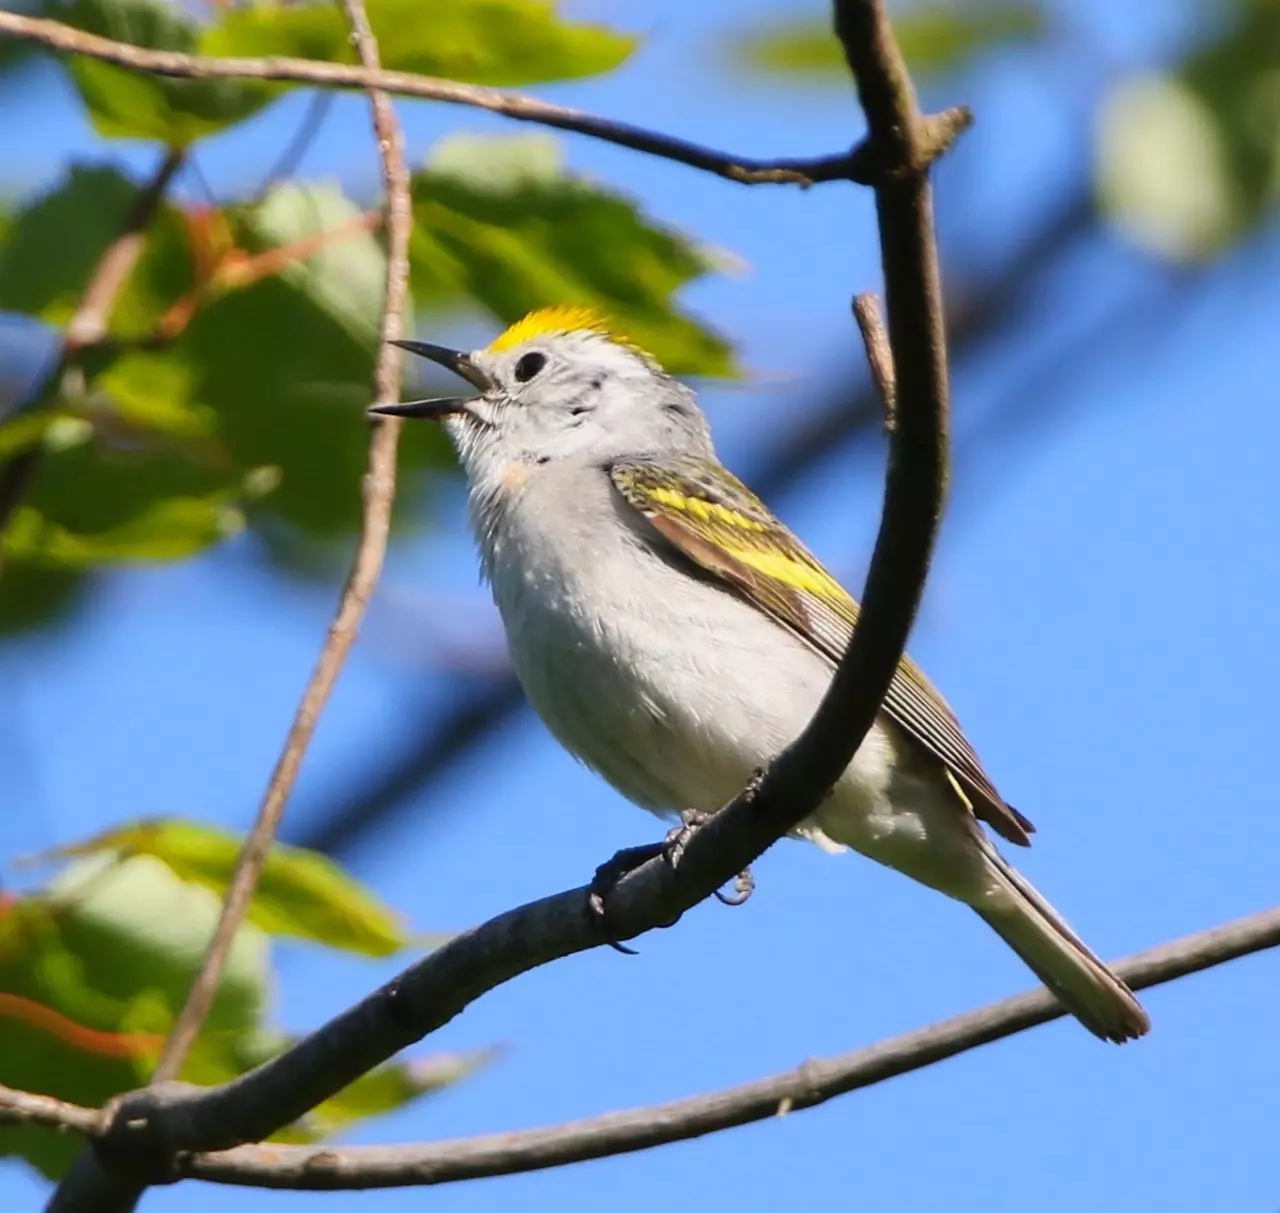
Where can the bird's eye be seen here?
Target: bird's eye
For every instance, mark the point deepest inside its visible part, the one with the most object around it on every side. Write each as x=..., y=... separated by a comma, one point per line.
x=529, y=366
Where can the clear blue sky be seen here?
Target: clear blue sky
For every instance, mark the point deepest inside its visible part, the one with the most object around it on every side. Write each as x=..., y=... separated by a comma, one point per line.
x=1101, y=615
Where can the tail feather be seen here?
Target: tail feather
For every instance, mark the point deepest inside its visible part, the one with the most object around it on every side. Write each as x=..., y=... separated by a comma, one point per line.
x=1053, y=951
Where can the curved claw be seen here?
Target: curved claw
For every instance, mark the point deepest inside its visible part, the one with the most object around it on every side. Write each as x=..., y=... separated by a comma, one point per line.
x=606, y=879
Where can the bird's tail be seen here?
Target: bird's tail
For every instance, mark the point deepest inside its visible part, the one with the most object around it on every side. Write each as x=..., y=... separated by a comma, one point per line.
x=1053, y=951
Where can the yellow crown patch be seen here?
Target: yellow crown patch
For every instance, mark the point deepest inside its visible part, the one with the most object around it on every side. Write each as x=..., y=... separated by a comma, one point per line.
x=548, y=321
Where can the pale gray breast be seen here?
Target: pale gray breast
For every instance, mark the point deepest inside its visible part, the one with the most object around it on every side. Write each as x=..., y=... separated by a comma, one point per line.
x=673, y=689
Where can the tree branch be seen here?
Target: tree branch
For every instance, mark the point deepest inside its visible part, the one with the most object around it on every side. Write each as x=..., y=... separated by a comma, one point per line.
x=333, y=1168
x=858, y=165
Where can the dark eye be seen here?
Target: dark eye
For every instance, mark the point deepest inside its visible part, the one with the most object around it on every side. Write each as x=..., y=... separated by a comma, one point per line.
x=529, y=366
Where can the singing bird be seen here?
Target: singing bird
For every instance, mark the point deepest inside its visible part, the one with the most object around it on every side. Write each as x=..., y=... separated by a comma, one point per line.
x=674, y=635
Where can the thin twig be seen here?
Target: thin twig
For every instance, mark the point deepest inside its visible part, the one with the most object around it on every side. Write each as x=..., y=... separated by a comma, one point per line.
x=379, y=493
x=866, y=311
x=857, y=165
x=808, y=1085
x=89, y=322
x=299, y=145
x=26, y=1108
x=356, y=1167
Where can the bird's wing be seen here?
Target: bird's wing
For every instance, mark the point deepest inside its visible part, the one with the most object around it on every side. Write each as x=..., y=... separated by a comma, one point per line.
x=719, y=524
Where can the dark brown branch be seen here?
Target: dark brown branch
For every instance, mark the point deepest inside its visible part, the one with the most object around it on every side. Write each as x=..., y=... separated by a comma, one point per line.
x=857, y=165
x=812, y=1083
x=89, y=323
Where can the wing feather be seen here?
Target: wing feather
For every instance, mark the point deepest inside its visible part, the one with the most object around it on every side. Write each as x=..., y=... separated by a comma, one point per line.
x=719, y=524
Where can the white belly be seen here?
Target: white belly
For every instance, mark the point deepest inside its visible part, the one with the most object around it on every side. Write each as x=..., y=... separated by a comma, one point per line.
x=676, y=692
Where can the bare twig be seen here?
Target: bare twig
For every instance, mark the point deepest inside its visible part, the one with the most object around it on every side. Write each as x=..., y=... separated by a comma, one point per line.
x=866, y=311
x=808, y=1085
x=89, y=322
x=24, y=1108
x=351, y=1167
x=287, y=162
x=857, y=165
x=379, y=493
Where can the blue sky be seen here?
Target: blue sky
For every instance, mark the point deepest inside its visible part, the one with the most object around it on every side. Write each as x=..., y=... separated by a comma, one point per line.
x=1100, y=615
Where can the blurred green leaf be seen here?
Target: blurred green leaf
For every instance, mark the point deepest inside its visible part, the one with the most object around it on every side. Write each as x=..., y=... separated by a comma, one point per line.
x=500, y=222
x=92, y=973
x=51, y=247
x=300, y=893
x=494, y=42
x=1188, y=161
x=168, y=530
x=937, y=37
x=139, y=105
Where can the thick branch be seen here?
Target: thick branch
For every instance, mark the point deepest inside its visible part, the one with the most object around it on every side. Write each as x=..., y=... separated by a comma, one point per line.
x=814, y=1082
x=858, y=165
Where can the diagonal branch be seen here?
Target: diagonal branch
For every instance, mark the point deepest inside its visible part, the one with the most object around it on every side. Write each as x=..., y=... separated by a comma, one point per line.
x=858, y=165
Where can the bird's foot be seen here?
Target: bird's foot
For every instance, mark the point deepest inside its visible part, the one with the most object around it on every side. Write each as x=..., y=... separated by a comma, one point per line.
x=691, y=821
x=606, y=879
x=671, y=848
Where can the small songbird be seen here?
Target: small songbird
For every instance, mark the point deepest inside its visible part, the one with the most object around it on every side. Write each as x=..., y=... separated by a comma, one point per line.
x=674, y=635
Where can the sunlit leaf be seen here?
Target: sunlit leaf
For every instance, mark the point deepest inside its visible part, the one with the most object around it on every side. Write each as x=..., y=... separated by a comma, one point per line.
x=495, y=42
x=144, y=105
x=300, y=893
x=936, y=38
x=500, y=222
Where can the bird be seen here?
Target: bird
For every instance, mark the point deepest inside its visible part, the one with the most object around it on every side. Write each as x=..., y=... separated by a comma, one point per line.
x=674, y=635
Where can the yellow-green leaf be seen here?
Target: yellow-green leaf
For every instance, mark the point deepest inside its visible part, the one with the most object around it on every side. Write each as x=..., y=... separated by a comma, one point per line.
x=168, y=530
x=141, y=105
x=300, y=893
x=495, y=42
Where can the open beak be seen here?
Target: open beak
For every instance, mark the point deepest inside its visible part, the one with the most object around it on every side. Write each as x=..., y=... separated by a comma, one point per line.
x=436, y=410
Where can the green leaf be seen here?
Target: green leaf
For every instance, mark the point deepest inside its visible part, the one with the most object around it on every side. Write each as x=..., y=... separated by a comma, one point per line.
x=139, y=105
x=936, y=39
x=494, y=42
x=50, y=249
x=500, y=222
x=300, y=893
x=92, y=973
x=169, y=530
